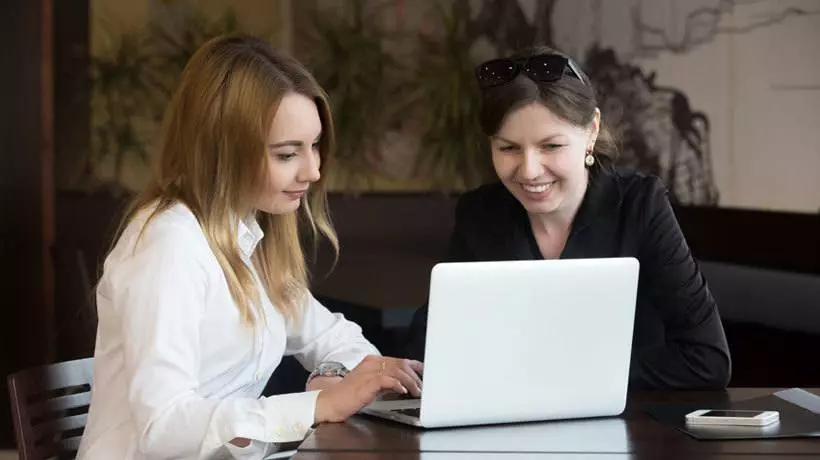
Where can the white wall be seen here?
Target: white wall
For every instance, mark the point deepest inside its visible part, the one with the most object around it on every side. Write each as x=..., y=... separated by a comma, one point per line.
x=759, y=84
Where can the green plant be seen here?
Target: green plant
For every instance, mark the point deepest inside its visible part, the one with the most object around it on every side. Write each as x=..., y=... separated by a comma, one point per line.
x=133, y=80
x=121, y=101
x=174, y=44
x=453, y=148
x=362, y=79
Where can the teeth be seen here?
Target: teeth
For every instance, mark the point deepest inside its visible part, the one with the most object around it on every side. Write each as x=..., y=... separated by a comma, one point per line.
x=537, y=188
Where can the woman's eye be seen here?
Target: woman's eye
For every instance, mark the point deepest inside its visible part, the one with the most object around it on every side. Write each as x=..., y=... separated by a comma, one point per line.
x=552, y=146
x=316, y=145
x=507, y=148
x=285, y=156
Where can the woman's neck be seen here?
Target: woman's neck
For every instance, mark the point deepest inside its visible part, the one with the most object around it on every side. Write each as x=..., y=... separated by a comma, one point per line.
x=553, y=223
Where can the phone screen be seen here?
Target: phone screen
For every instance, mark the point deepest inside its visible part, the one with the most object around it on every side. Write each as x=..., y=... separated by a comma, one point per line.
x=732, y=413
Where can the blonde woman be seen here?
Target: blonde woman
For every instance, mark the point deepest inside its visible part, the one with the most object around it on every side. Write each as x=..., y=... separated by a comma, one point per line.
x=206, y=288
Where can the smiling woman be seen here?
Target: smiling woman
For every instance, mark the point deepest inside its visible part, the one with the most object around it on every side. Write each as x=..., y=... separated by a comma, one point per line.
x=205, y=289
x=559, y=196
x=295, y=158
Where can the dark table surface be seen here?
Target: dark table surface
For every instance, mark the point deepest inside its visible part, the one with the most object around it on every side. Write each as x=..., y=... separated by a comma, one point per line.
x=634, y=435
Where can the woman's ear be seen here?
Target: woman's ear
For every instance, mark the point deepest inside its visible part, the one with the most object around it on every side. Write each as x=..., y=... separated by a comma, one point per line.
x=594, y=128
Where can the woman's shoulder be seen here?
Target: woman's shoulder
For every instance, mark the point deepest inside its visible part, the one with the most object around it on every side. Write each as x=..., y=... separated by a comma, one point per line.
x=635, y=183
x=637, y=189
x=641, y=197
x=158, y=249
x=176, y=221
x=172, y=230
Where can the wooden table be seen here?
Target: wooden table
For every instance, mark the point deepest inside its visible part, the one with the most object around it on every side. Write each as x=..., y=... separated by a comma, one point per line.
x=634, y=435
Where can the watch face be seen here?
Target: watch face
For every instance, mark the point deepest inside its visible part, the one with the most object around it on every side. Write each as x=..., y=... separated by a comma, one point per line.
x=331, y=370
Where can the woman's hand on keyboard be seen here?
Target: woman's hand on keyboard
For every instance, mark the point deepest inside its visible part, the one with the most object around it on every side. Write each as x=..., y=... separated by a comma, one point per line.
x=374, y=376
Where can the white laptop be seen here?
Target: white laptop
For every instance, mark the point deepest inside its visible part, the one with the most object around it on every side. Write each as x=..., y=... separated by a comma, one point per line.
x=520, y=341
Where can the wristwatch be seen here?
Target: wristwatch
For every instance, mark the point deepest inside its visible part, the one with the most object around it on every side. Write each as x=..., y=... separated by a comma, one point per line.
x=328, y=369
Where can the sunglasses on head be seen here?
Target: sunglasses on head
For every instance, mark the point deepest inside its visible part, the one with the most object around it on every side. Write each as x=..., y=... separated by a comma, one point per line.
x=539, y=68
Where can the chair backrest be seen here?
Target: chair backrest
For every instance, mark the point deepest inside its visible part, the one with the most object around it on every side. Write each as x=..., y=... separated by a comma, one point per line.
x=49, y=405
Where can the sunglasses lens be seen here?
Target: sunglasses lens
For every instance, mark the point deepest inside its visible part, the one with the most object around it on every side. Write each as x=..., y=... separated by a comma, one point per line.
x=496, y=72
x=546, y=68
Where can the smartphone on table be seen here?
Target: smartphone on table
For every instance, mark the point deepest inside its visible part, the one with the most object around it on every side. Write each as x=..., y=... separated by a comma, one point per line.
x=732, y=417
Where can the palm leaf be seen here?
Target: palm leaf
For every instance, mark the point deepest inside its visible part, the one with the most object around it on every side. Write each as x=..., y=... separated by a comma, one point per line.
x=350, y=62
x=453, y=152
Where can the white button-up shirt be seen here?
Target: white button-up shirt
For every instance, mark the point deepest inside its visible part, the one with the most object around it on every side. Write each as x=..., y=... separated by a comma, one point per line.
x=176, y=372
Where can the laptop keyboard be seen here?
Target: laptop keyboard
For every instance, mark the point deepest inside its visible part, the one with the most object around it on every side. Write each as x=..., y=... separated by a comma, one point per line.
x=410, y=412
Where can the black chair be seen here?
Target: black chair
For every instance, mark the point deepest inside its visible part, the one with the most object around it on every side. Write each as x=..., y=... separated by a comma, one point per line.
x=49, y=406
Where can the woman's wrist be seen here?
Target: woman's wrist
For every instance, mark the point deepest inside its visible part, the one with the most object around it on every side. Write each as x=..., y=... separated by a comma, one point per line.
x=320, y=414
x=321, y=382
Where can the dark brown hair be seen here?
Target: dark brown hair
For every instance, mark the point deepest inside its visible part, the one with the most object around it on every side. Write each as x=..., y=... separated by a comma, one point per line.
x=571, y=99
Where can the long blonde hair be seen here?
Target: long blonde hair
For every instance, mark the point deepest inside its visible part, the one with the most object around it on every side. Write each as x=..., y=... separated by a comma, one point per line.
x=213, y=158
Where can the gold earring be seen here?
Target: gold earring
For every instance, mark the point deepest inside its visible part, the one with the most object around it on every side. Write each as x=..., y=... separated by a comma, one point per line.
x=589, y=159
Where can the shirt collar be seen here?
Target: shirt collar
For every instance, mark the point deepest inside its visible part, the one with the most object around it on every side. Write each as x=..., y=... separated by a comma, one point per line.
x=249, y=235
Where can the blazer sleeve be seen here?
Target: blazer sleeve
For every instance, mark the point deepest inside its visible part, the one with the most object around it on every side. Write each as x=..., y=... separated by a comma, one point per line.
x=457, y=251
x=695, y=354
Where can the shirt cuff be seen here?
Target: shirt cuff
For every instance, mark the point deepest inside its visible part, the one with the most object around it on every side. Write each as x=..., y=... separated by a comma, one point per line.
x=276, y=419
x=288, y=417
x=254, y=451
x=351, y=359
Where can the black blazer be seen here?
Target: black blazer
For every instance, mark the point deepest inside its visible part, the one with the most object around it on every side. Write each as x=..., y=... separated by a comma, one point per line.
x=678, y=336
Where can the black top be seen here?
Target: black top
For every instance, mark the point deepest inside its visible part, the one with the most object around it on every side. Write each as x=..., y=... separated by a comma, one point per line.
x=678, y=336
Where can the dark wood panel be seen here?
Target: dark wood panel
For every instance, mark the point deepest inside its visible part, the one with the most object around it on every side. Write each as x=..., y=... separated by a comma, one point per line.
x=26, y=188
x=768, y=239
x=72, y=91
x=73, y=316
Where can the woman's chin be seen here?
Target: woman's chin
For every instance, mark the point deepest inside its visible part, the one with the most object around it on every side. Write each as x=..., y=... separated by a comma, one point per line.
x=538, y=204
x=281, y=207
x=541, y=207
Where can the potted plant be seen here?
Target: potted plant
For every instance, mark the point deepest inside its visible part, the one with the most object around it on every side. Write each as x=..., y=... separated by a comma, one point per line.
x=453, y=148
x=351, y=61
